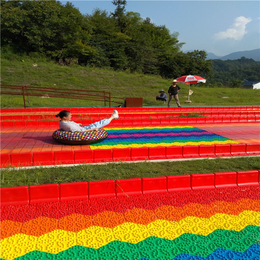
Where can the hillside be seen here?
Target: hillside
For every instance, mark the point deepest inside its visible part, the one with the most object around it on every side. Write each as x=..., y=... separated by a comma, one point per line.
x=120, y=84
x=252, y=54
x=226, y=71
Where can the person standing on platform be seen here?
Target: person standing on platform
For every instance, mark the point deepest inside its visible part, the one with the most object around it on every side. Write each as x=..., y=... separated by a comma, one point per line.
x=173, y=93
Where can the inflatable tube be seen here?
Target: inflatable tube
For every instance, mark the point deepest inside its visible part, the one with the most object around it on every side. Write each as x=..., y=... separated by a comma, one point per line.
x=66, y=137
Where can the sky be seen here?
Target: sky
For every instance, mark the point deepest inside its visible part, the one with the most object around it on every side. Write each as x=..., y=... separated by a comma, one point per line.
x=219, y=27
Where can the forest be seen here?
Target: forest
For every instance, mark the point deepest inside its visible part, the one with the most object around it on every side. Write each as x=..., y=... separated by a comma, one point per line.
x=233, y=73
x=120, y=40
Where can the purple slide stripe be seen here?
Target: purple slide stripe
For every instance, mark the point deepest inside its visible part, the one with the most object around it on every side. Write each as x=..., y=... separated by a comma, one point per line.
x=160, y=134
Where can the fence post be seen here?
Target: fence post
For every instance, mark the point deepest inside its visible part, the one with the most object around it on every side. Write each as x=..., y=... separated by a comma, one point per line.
x=104, y=93
x=28, y=103
x=109, y=93
x=24, y=104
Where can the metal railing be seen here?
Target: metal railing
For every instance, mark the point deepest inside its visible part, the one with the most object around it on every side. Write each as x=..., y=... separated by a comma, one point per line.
x=27, y=91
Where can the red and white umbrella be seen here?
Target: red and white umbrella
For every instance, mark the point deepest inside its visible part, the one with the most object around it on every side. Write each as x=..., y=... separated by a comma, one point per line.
x=191, y=79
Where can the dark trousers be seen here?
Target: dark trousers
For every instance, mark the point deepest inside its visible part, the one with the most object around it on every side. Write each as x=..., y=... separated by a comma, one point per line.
x=159, y=98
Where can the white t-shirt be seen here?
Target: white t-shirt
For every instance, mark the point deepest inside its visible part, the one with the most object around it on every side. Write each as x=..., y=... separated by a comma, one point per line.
x=71, y=126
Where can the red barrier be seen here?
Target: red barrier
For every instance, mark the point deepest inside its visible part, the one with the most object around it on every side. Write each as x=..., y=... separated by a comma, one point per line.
x=217, y=119
x=247, y=178
x=31, y=123
x=14, y=195
x=207, y=151
x=161, y=115
x=183, y=120
x=118, y=122
x=243, y=119
x=73, y=191
x=74, y=110
x=170, y=115
x=6, y=118
x=225, y=179
x=226, y=119
x=5, y=160
x=202, y=181
x=15, y=117
x=165, y=121
x=174, y=152
x=54, y=123
x=174, y=121
x=43, y=123
x=223, y=150
x=209, y=120
x=83, y=156
x=7, y=110
x=121, y=154
x=156, y=184
x=137, y=122
x=34, y=118
x=99, y=189
x=64, y=157
x=21, y=159
x=155, y=121
x=178, y=183
x=190, y=151
x=234, y=119
x=127, y=122
x=95, y=118
x=222, y=114
x=147, y=121
x=7, y=124
x=251, y=118
x=103, y=155
x=156, y=153
x=86, y=122
x=122, y=116
x=253, y=149
x=43, y=158
x=128, y=187
x=138, y=154
x=202, y=120
x=238, y=149
x=67, y=191
x=192, y=120
x=20, y=124
x=44, y=193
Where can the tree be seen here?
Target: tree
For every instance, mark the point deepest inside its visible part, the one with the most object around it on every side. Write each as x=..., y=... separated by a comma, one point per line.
x=45, y=27
x=198, y=65
x=109, y=42
x=119, y=14
x=235, y=83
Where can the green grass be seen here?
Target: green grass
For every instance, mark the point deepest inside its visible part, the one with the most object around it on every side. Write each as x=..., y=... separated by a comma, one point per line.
x=11, y=177
x=120, y=84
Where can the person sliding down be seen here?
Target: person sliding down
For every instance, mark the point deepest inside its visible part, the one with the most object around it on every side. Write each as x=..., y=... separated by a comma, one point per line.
x=66, y=125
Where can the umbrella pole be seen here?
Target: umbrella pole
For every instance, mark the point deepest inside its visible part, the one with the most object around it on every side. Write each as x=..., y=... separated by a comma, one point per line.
x=188, y=101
